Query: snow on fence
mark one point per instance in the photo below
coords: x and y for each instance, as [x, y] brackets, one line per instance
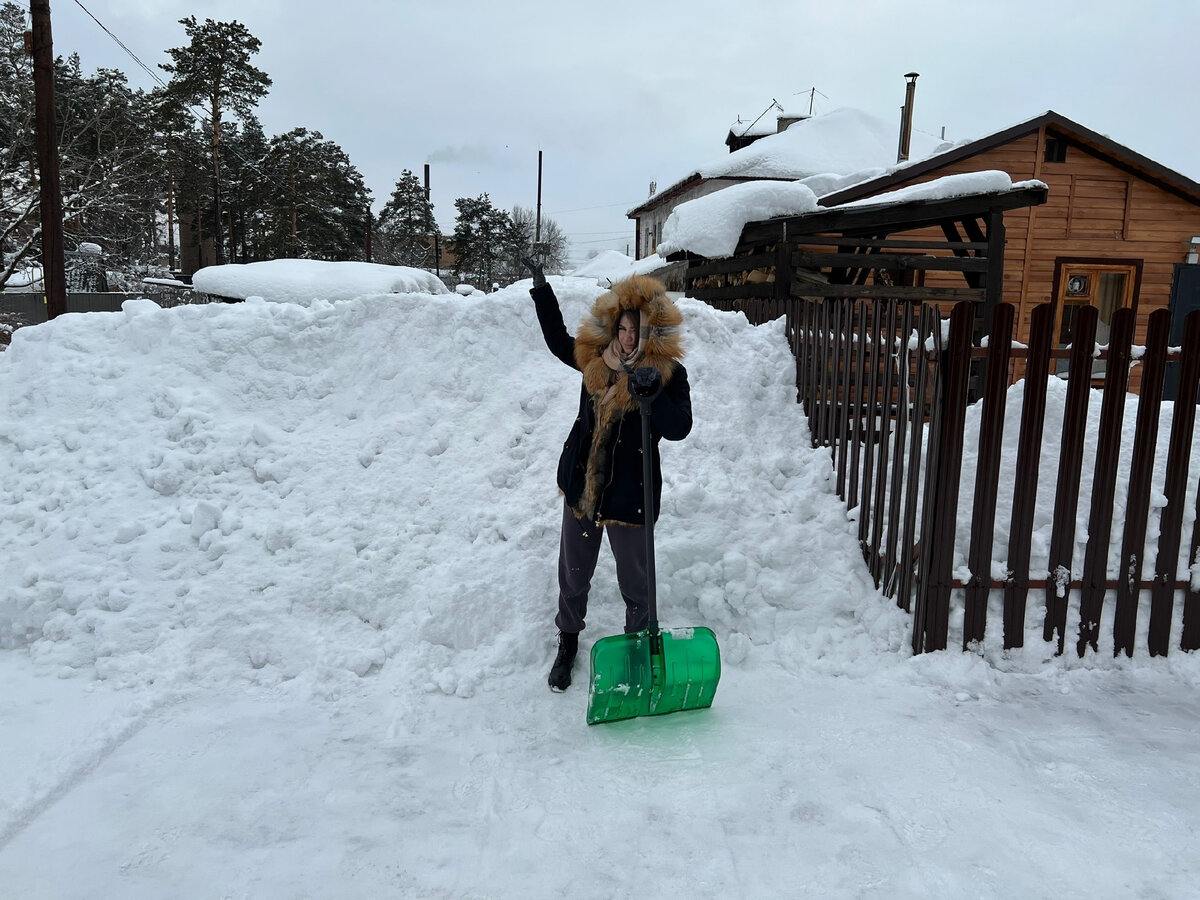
[1046, 487]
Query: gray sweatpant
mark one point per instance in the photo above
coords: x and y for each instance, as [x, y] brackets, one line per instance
[578, 551]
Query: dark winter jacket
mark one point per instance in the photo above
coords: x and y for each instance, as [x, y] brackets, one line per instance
[607, 474]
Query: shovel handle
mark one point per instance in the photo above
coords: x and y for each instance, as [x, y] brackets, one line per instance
[648, 506]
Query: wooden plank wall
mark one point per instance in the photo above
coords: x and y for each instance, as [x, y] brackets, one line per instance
[1094, 211]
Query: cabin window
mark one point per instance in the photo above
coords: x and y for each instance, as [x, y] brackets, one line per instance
[1056, 150]
[1106, 287]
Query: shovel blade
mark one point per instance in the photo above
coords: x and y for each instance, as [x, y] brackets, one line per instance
[628, 679]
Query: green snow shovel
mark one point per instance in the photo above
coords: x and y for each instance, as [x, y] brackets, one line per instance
[651, 672]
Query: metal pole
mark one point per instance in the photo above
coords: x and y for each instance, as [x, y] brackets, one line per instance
[369, 220]
[54, 277]
[537, 238]
[430, 227]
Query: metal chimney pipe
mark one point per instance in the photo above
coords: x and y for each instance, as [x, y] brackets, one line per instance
[906, 117]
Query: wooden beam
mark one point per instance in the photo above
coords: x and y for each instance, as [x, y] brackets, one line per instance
[783, 267]
[901, 243]
[765, 290]
[931, 294]
[994, 279]
[810, 260]
[732, 264]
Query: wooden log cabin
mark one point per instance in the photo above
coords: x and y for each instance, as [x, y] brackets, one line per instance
[1117, 229]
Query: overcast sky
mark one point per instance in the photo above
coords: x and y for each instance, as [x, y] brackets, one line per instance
[618, 94]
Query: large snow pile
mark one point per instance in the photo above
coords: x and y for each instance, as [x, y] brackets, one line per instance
[276, 595]
[610, 266]
[304, 280]
[605, 264]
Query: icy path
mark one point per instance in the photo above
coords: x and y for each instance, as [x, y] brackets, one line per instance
[789, 786]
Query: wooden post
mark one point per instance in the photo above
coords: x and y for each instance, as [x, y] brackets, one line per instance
[994, 279]
[54, 278]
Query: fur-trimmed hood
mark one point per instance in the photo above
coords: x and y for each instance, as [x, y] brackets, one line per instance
[659, 319]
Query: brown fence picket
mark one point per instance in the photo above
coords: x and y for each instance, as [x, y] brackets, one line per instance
[860, 401]
[846, 345]
[913, 552]
[1025, 475]
[834, 422]
[903, 408]
[1141, 469]
[1104, 481]
[1166, 563]
[825, 381]
[883, 437]
[987, 473]
[871, 416]
[1070, 467]
[931, 622]
[803, 355]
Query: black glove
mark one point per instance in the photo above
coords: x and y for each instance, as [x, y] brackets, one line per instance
[539, 278]
[645, 382]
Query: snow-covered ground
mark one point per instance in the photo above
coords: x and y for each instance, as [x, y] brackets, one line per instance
[276, 596]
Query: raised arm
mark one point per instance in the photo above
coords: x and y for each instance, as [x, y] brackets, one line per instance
[554, 331]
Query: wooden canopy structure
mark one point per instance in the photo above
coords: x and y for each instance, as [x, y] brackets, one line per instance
[882, 249]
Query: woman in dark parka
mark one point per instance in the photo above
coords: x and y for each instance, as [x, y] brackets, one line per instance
[631, 326]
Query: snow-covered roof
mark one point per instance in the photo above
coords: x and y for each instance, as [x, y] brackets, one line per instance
[843, 142]
[305, 280]
[765, 124]
[950, 153]
[711, 226]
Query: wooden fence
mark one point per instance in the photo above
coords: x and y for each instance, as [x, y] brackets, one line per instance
[886, 383]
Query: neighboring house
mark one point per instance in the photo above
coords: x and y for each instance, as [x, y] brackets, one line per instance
[1118, 229]
[841, 146]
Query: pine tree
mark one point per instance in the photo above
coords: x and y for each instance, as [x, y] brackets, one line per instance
[215, 67]
[483, 237]
[317, 203]
[406, 224]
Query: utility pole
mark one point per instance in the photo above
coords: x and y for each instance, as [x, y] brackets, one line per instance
[537, 238]
[369, 220]
[54, 278]
[431, 227]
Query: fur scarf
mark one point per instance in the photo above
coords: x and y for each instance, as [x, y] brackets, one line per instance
[662, 346]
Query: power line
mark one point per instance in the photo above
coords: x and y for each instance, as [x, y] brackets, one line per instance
[628, 205]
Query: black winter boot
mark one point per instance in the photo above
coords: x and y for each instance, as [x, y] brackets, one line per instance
[560, 672]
